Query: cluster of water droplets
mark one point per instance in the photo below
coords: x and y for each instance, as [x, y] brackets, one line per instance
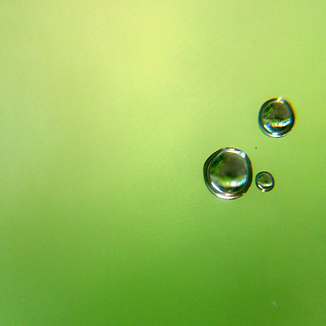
[228, 171]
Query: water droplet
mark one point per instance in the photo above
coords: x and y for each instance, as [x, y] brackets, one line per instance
[265, 181]
[228, 173]
[276, 117]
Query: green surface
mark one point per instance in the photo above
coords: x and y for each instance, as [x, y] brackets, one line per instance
[109, 110]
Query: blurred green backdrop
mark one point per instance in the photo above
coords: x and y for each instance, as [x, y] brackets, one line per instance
[109, 110]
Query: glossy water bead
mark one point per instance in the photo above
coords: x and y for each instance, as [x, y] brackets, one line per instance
[276, 117]
[228, 173]
[265, 181]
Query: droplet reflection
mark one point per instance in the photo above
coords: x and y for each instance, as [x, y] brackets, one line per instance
[276, 117]
[265, 181]
[228, 173]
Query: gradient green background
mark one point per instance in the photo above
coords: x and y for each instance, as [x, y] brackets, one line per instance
[108, 111]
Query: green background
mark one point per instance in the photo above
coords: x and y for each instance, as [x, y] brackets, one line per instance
[108, 111]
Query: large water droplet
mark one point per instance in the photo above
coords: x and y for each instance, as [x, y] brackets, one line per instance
[265, 181]
[276, 117]
[228, 173]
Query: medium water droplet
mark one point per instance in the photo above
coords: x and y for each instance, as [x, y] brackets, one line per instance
[228, 173]
[276, 117]
[265, 181]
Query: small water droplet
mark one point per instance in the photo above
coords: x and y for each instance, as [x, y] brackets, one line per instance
[228, 173]
[276, 117]
[265, 181]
